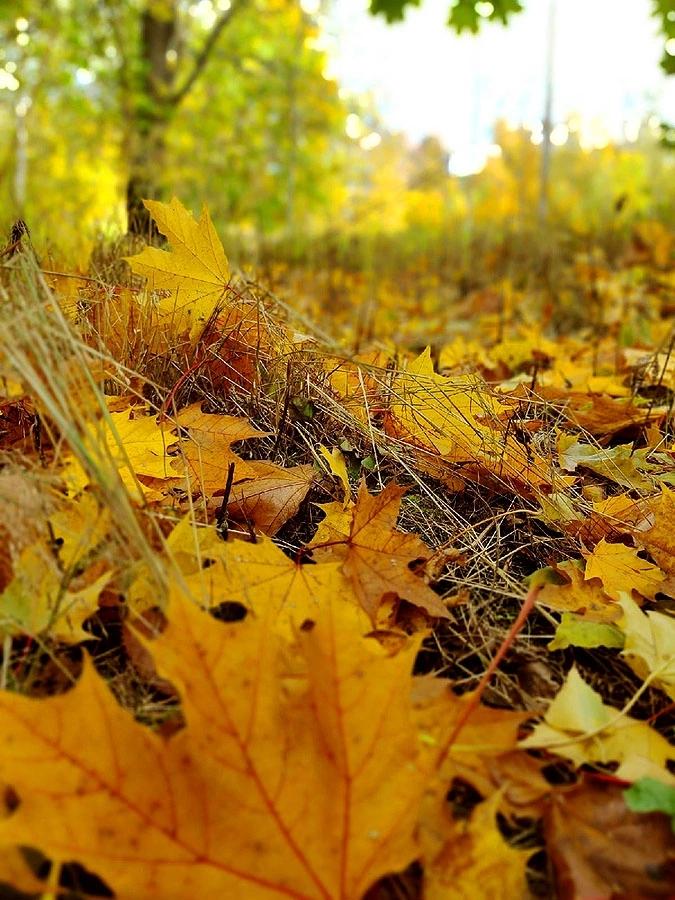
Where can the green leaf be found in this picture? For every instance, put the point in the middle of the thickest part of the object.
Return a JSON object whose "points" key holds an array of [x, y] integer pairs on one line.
{"points": [[649, 795], [392, 10], [574, 631]]}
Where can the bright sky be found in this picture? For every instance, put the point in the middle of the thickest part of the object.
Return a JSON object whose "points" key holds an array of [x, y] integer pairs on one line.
{"points": [[427, 80]]}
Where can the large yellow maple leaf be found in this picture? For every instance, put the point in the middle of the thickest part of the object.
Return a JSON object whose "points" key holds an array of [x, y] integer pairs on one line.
{"points": [[195, 273], [307, 787]]}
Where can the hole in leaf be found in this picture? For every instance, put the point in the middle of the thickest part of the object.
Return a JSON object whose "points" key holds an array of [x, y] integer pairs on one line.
{"points": [[11, 799], [229, 611], [75, 877], [463, 798]]}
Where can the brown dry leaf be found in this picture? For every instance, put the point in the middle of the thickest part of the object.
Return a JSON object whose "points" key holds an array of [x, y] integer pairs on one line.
{"points": [[307, 788], [598, 415], [237, 341], [600, 848], [475, 862], [272, 497], [207, 451], [376, 556]]}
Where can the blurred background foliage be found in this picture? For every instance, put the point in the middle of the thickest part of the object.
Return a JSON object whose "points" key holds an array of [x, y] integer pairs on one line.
{"points": [[231, 102]]}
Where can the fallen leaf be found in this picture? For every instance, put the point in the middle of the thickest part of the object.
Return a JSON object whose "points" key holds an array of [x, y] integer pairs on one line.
{"points": [[272, 497], [621, 570], [15, 872], [575, 631], [262, 578], [649, 645], [474, 861], [376, 556], [599, 848], [195, 272], [649, 795], [659, 539], [564, 589], [338, 467], [484, 753], [39, 599], [308, 788], [619, 464], [206, 451], [580, 727]]}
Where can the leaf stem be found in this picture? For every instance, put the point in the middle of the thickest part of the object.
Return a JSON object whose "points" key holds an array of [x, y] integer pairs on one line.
{"points": [[474, 702]]}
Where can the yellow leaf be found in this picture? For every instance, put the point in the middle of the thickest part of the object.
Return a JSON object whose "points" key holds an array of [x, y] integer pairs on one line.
{"points": [[196, 271], [338, 467], [134, 443], [306, 787], [39, 598], [580, 727], [650, 644], [14, 871], [565, 589], [446, 415], [262, 578], [475, 862], [80, 527], [620, 569]]}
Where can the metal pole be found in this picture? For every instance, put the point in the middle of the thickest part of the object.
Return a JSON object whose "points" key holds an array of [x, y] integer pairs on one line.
{"points": [[547, 123]]}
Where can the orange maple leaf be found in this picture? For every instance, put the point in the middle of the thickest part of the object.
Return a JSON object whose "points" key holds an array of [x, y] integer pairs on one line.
{"points": [[207, 454], [376, 555], [303, 787]]}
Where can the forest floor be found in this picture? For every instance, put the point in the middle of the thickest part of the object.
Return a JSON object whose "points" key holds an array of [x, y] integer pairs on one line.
{"points": [[375, 569]]}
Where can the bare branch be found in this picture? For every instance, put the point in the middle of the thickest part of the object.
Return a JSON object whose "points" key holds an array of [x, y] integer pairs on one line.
{"points": [[203, 56]]}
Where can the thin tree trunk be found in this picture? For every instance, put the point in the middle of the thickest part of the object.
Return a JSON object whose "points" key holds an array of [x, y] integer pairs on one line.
{"points": [[153, 111], [547, 119], [152, 96]]}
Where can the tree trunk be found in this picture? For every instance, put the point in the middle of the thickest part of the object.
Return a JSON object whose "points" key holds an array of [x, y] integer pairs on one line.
{"points": [[153, 108], [152, 97]]}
